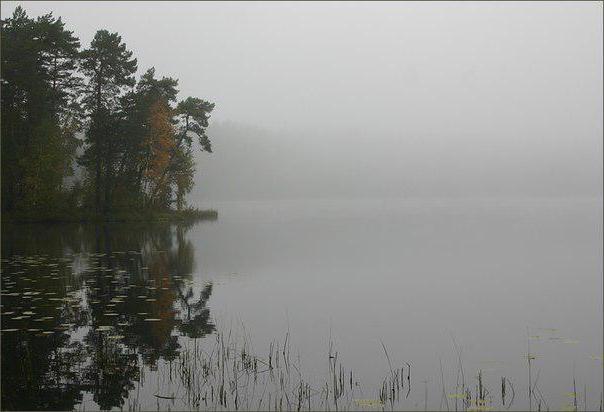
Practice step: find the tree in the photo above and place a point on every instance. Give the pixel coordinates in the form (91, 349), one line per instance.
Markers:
(192, 116)
(148, 116)
(59, 54)
(110, 68)
(160, 143)
(39, 110)
(138, 141)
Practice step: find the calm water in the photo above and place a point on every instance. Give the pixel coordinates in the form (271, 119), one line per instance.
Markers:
(101, 316)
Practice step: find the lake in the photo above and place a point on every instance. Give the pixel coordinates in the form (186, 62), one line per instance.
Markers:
(329, 304)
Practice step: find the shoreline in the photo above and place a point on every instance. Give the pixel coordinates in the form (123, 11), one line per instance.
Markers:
(188, 215)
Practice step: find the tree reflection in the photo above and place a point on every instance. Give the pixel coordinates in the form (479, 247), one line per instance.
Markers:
(38, 359)
(131, 294)
(195, 322)
(39, 372)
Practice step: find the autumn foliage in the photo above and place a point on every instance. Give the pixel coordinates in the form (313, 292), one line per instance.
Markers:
(161, 143)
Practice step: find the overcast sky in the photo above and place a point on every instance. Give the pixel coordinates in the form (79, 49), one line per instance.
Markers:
(477, 87)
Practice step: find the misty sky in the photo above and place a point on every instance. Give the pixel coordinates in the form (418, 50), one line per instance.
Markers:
(417, 98)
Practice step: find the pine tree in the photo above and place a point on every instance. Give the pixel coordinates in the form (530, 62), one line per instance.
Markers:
(39, 110)
(110, 68)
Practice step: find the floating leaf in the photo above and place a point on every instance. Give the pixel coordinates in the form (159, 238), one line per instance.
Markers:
(369, 402)
(456, 396)
(570, 394)
(548, 329)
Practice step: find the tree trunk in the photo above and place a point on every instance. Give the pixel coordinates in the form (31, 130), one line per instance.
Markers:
(97, 143)
(108, 186)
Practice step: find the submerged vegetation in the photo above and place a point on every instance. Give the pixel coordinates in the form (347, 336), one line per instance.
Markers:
(82, 139)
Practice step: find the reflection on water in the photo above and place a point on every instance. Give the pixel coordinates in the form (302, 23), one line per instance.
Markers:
(85, 308)
(118, 316)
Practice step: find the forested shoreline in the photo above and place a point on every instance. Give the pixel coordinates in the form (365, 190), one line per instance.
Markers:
(68, 108)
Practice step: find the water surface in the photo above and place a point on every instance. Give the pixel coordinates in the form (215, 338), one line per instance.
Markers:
(97, 316)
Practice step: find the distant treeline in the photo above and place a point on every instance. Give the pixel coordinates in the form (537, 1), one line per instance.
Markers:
(64, 106)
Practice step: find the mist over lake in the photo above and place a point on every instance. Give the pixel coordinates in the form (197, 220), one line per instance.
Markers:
(302, 206)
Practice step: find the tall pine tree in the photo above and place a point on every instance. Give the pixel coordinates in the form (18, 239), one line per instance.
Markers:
(39, 111)
(109, 67)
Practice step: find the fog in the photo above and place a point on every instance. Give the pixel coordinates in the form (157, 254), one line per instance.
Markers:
(394, 186)
(318, 100)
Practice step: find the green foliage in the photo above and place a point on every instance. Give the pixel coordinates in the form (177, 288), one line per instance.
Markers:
(39, 112)
(109, 68)
(137, 140)
(194, 114)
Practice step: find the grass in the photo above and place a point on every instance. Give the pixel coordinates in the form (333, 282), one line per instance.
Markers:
(224, 373)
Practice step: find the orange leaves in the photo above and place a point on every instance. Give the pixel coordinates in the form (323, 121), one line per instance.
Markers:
(160, 140)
